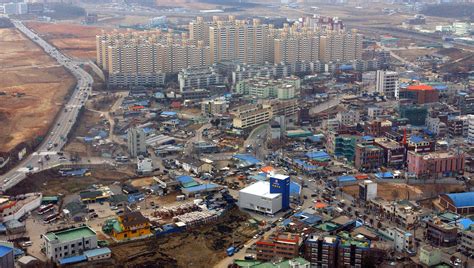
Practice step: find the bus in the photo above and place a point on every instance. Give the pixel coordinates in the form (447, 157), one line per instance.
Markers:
(50, 218)
(45, 208)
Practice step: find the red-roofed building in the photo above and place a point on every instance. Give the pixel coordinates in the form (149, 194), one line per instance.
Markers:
(279, 246)
(420, 94)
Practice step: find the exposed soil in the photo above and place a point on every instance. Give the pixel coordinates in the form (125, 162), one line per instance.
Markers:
(34, 88)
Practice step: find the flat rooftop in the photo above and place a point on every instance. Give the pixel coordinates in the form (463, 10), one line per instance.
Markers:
(260, 188)
(71, 234)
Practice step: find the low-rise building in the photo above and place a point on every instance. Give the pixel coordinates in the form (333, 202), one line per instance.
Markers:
(284, 245)
(435, 163)
(394, 152)
(466, 241)
(441, 234)
(460, 203)
(367, 190)
(68, 243)
(214, 107)
(348, 118)
(368, 157)
(131, 225)
(430, 256)
(257, 197)
(249, 116)
(402, 212)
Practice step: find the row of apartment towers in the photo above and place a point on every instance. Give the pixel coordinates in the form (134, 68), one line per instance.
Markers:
(224, 40)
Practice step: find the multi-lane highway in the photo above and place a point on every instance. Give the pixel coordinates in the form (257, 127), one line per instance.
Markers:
(46, 155)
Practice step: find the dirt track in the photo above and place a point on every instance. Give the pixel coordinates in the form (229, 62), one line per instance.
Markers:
(34, 86)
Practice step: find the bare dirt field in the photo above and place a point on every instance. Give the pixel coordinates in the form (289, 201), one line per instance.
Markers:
(180, 250)
(72, 39)
(34, 87)
(51, 183)
(393, 191)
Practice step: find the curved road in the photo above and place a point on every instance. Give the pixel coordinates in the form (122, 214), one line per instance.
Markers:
(56, 139)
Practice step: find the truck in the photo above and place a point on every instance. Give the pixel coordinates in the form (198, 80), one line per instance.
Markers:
(230, 251)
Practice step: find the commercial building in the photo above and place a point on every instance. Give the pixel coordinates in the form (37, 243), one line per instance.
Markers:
(131, 225)
(262, 87)
(282, 245)
(280, 184)
(249, 116)
(435, 164)
(68, 243)
(136, 141)
(461, 203)
(441, 234)
(394, 152)
(204, 77)
(284, 108)
(368, 157)
(341, 145)
(257, 197)
(416, 115)
(387, 83)
(403, 241)
(420, 94)
(367, 190)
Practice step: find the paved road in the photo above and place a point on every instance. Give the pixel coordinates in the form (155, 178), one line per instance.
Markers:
(57, 138)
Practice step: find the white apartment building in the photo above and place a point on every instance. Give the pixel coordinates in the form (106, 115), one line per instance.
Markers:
(262, 87)
(136, 141)
(387, 84)
(194, 78)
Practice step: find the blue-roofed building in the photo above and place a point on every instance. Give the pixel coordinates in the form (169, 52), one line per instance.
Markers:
(98, 254)
(7, 259)
(72, 260)
(318, 156)
(200, 189)
(346, 179)
(246, 160)
(168, 114)
(186, 181)
(461, 203)
(384, 175)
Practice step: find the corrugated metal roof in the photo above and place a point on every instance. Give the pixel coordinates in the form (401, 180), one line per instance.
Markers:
(97, 252)
(462, 199)
(74, 259)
